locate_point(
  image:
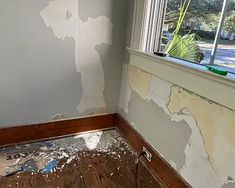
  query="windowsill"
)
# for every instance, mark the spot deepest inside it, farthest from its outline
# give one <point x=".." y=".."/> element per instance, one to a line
<point x="193" y="77"/>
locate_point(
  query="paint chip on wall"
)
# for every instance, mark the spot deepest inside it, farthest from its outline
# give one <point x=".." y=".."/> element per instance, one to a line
<point x="139" y="81"/>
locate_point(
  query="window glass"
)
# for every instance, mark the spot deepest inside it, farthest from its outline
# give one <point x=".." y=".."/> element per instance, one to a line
<point x="189" y="29"/>
<point x="225" y="53"/>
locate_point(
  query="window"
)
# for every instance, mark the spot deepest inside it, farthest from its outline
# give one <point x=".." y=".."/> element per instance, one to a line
<point x="199" y="31"/>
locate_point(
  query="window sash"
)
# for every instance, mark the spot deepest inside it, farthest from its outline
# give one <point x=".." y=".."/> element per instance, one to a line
<point x="155" y="11"/>
<point x="154" y="21"/>
<point x="218" y="32"/>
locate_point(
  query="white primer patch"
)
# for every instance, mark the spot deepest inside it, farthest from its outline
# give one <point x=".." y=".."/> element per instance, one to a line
<point x="62" y="17"/>
<point x="91" y="139"/>
<point x="125" y="91"/>
<point x="98" y="31"/>
<point x="159" y="92"/>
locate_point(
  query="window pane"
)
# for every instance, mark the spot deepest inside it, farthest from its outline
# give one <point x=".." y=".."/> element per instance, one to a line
<point x="191" y="37"/>
<point x="225" y="54"/>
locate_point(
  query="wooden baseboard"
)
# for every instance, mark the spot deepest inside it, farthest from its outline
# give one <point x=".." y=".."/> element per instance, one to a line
<point x="26" y="133"/>
<point x="158" y="166"/>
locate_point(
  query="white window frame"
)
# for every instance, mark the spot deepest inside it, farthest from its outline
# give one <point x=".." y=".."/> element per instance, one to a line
<point x="190" y="76"/>
<point x="154" y="16"/>
<point x="153" y="21"/>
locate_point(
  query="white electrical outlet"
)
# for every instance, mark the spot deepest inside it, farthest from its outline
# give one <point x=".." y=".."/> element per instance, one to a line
<point x="148" y="155"/>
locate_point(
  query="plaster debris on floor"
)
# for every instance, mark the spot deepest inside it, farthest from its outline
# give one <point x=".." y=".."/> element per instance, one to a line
<point x="52" y="155"/>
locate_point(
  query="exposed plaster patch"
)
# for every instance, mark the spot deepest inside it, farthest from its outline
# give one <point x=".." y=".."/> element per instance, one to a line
<point x="54" y="17"/>
<point x="159" y="92"/>
<point x="152" y="122"/>
<point x="62" y="17"/>
<point x="98" y="31"/>
<point x="139" y="81"/>
<point x="216" y="124"/>
<point x="125" y="91"/>
<point x="210" y="153"/>
<point x="197" y="169"/>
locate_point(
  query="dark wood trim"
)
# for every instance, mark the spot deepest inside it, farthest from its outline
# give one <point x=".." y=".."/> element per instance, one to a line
<point x="26" y="133"/>
<point x="158" y="166"/>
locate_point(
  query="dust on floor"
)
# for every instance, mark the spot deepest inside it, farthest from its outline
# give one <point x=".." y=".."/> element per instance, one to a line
<point x="98" y="159"/>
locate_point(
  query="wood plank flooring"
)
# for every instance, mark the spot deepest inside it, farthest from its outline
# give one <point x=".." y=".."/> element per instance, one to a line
<point x="97" y="168"/>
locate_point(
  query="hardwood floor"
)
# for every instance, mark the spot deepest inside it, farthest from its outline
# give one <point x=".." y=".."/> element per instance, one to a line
<point x="110" y="164"/>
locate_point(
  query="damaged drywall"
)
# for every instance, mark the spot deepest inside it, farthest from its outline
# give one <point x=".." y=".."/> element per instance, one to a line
<point x="87" y="60"/>
<point x="38" y="75"/>
<point x="160" y="92"/>
<point x="217" y="126"/>
<point x="139" y="81"/>
<point x="60" y="57"/>
<point x="153" y="122"/>
<point x="206" y="149"/>
<point x="90" y="65"/>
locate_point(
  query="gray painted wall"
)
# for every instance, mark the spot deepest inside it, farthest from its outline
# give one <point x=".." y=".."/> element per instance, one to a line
<point x="194" y="134"/>
<point x="40" y="73"/>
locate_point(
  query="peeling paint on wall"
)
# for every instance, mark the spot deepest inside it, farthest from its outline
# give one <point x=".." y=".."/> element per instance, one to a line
<point x="197" y="169"/>
<point x="141" y="112"/>
<point x="55" y="17"/>
<point x="152" y="122"/>
<point x="62" y="17"/>
<point x="125" y="91"/>
<point x="210" y="151"/>
<point x="217" y="126"/>
<point x="38" y="75"/>
<point x="63" y="56"/>
<point x="90" y="64"/>
<point x="139" y="81"/>
<point x="160" y="93"/>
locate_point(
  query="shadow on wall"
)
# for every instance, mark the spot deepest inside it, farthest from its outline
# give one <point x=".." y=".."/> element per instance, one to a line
<point x="110" y="55"/>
